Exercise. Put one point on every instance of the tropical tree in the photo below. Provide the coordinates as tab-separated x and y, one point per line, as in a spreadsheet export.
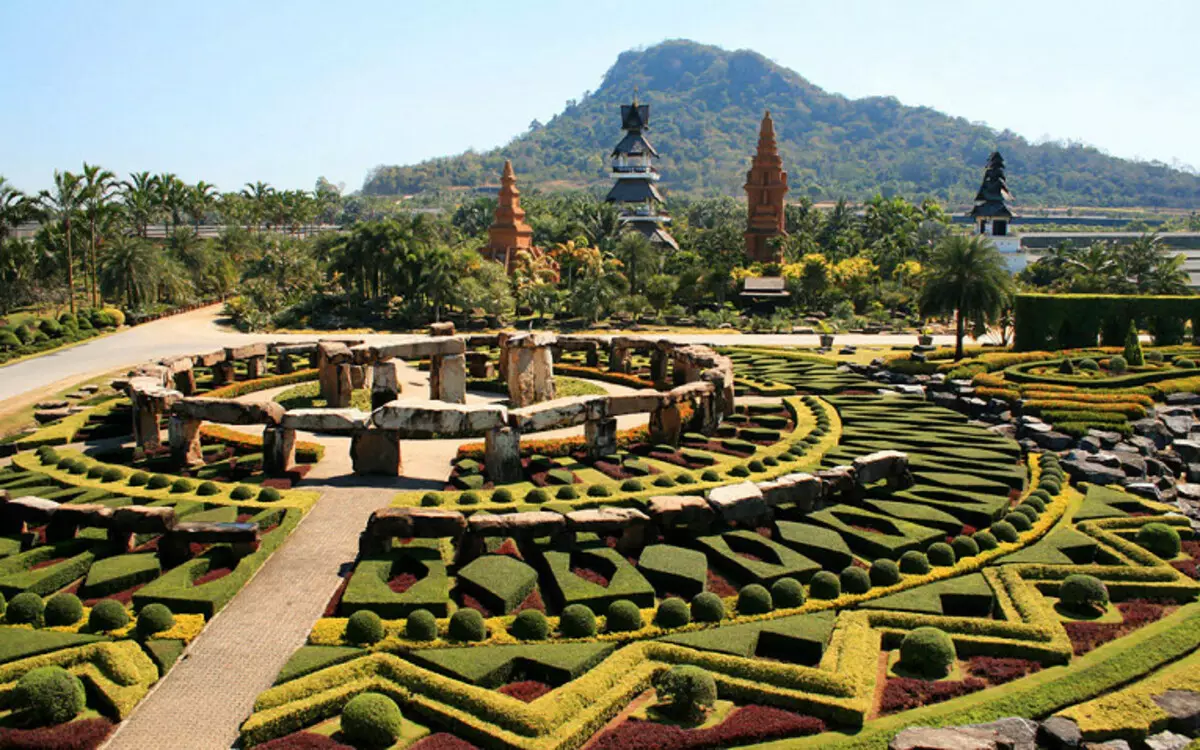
140	195
99	185
257	194
173	195
200	199
60	206
15	208
129	270
968	278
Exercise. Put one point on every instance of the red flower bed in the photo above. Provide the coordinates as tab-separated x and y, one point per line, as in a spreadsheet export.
1189	567
509	547
533	601
903	693
526	690
440	741
85	734
999	670
331	606
402	582
718	585
1086	636
212	575
591	576
304	741
744	726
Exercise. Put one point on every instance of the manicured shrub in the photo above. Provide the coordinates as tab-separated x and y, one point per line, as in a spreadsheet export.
787	593
208	488
182	485
502	495
853	580
372	720
242	492
672	613
1018	521
467	625
577	621
25	609
623	616
50	695
632	485
928	652
964	546
1161	539
710	475
689	692
770	461
707	607
158	482
985	539
420	626
825	585
469	498
113	474
599	490
754	599
914	563
739	471
756	466
1117	364
1027	510
537	495
95	472
1066	367
364	628
428	500
1050	485
139	478
1004	531
685	479
154	618
567	492
884	572
77	467
1133	346
1083	593
530	625
1153	356
940	554
1035	501
63	609
1088	364
1184	363
268	495
108	614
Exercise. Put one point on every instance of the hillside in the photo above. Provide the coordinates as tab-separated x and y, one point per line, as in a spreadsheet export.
706	103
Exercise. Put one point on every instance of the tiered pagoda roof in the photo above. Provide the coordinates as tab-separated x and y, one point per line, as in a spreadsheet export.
766	185
636	189
992	200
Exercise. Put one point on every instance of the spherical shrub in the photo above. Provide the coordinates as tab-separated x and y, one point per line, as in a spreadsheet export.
739	471
770	461
672	613
707	607
420	625
530	625
940	554
884	572
428	500
108	614
537	495
1161	539
372	720
914	563
364	628
139	478
25	609
689	692
502	495
467	625
1027	510
1051	485
63	609
1066	366
623	616
599	490
577	621
242	492
469	498
268	495
1088	364
985	539
928	652
154	618
1018	521
208	488
756	466
77	467
854	580
685	478
1184	363
754	599
964	546
710	475
1083	593
825	585
50	695
1005	531
113	474
1036	501
632	485
95	472
1153	356
66	462
158	482
787	593
182	485
567	492
1117	364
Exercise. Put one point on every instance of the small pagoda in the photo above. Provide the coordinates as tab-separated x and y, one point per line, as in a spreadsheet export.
992	212
508	234
766	185
636	190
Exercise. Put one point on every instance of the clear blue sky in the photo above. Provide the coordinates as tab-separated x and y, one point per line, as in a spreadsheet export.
231	91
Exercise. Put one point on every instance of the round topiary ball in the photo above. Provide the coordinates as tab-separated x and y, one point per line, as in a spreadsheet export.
182	485
567	492
577	621
914	563
787	593
49	695
158	482
430	500
940	554
420	625
1161	539
1034	501
853	580
884	572
1018	521
756	466
502	495
108	614
928	652
208	488
754	599
622	617
672	613
268	495
1184	363
632	485
364	628
63	609
1027	510
689	692
25	609
825	585
1088	364
1005	532
530	625
95	472
707	607
138	478
599	490
154	618
964	546
1117	364
1083	593
710	475
242	492
537	496
372	720
985	539
467	625
469	498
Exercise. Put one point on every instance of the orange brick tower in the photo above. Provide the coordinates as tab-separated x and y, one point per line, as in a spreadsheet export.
509	233
766	184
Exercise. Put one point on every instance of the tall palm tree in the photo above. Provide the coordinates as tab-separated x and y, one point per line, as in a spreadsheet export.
173	197
140	195
61	205
201	198
258	193
98	187
969	279
130	270
15	208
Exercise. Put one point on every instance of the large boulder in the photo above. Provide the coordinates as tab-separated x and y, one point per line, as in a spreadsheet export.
738	502
1082	470
802	490
561	412
875	467
531	524
421	523
229	411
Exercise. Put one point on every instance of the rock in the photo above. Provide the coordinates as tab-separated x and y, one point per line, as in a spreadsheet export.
737	502
421	523
1183	708
561	412
229	411
245	352
1109	460
802	490
376	451
1146	446
326	420
427	418
1087	471
670	511
1060	733
1014	731
445	328
43	405
1187	450
1188	491
640	402
531	523
945	400
1177	426
1156	468
887	465
944	738
142	519
911	390
1110	745
1107	439
1133	465
605	520
1145	489
1052	441
1007	430
46	416
1167	740
1090	444
529	368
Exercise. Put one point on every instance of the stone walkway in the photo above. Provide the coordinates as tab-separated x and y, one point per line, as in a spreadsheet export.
210	692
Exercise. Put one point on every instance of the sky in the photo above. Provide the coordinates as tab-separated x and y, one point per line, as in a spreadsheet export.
229	91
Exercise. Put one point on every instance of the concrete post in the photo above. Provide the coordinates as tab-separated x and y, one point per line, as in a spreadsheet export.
344	387
502	455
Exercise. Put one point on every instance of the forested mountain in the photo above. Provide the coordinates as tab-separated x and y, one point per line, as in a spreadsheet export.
706	104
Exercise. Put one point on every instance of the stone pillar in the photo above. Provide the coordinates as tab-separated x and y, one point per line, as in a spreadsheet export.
502	343
185	381
279	450
385	383
618	359
284	364
601	437
360	376
343	388
332	357
256	367
183	435
222	373
502	455
658	368
530	377
593	357
451	380
666	424
435	376
679	372
146	413
374	451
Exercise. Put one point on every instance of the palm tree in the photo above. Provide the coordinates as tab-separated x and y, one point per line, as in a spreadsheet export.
130	270
15	208
200	199
98	188
257	193
61	205
140	195
173	197
968	278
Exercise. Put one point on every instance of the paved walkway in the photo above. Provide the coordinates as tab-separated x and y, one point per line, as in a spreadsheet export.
210	692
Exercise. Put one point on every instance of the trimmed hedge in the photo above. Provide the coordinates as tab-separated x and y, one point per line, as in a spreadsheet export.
1072	321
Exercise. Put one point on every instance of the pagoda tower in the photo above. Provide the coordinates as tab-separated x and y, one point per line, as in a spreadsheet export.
766	184
508	233
992	212
635	190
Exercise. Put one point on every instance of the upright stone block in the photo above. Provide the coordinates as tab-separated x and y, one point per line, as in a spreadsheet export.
279	450
376	451
185	381
284	364
601	437
452	379
593	357
530	372
183	436
222	373
256	367
146	415
658	368
502	455
618	359
385	383
666	424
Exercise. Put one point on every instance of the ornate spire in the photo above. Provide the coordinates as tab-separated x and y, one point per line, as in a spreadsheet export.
766	184
508	232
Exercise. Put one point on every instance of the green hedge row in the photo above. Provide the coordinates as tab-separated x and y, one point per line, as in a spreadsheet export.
1075	321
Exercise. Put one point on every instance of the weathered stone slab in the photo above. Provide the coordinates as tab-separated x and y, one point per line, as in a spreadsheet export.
945	738
208	359
30	509
531	524
561	412
176	365
334	352
423	418
502	455
452	378
143	519
376	452
216	532
738	502
385	382
326	420
605	520
444	328
838	480
421	523
638	402
279	450
295	349
529	368
234	353
880	465
229	411
803	490
421	348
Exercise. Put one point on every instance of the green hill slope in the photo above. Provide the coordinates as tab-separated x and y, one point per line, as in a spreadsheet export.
706	104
